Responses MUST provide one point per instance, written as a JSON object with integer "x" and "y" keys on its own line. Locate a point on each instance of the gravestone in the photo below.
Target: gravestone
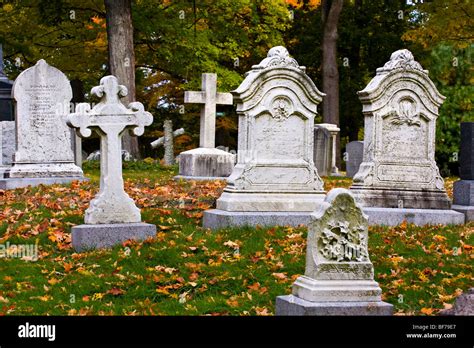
{"x": 355, "y": 153}
{"x": 7, "y": 146}
{"x": 464, "y": 305}
{"x": 398, "y": 178}
{"x": 339, "y": 277}
{"x": 6, "y": 100}
{"x": 206, "y": 162}
{"x": 43, "y": 149}
{"x": 112, "y": 216}
{"x": 463, "y": 190}
{"x": 168, "y": 141}
{"x": 274, "y": 181}
{"x": 322, "y": 150}
{"x": 325, "y": 136}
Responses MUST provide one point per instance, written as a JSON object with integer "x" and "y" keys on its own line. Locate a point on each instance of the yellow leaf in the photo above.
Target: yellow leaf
{"x": 427, "y": 311}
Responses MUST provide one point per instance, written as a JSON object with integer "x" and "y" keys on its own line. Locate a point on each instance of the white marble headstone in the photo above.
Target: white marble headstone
{"x": 400, "y": 105}
{"x": 42, "y": 94}
{"x": 276, "y": 103}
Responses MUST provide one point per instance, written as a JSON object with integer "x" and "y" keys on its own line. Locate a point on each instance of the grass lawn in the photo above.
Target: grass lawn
{"x": 186, "y": 270}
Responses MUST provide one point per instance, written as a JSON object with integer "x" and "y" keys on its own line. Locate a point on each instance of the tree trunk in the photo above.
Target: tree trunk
{"x": 331, "y": 10}
{"x": 122, "y": 56}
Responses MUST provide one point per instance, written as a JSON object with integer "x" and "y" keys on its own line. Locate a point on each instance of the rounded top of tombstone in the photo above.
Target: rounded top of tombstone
{"x": 401, "y": 59}
{"x": 278, "y": 56}
{"x": 404, "y": 71}
{"x": 278, "y": 51}
{"x": 42, "y": 76}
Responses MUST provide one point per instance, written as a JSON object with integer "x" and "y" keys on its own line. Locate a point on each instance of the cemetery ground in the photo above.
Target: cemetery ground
{"x": 187, "y": 270}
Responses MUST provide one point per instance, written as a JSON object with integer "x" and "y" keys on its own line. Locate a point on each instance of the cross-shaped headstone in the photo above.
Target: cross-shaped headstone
{"x": 210, "y": 98}
{"x": 110, "y": 118}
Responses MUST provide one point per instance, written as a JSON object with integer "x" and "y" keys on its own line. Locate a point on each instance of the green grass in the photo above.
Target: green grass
{"x": 186, "y": 270}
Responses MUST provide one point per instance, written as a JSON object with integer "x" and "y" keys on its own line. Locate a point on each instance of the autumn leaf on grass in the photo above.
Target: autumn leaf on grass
{"x": 233, "y": 302}
{"x": 427, "y": 311}
{"x": 67, "y": 267}
{"x": 231, "y": 244}
{"x": 164, "y": 228}
{"x": 53, "y": 281}
{"x": 438, "y": 238}
{"x": 262, "y": 311}
{"x": 115, "y": 292}
{"x": 280, "y": 276}
{"x": 97, "y": 296}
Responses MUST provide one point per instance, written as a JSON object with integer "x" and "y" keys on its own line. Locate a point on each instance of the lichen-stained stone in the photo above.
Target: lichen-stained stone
{"x": 338, "y": 268}
{"x": 276, "y": 104}
{"x": 400, "y": 105}
{"x": 42, "y": 94}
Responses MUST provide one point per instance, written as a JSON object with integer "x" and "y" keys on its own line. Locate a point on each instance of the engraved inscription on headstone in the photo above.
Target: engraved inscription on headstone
{"x": 44, "y": 146}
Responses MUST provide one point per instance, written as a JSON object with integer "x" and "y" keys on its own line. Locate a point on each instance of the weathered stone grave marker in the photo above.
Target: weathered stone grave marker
{"x": 112, "y": 216}
{"x": 275, "y": 181}
{"x": 206, "y": 162}
{"x": 398, "y": 178}
{"x": 339, "y": 277}
{"x": 43, "y": 150}
{"x": 354, "y": 153}
{"x": 463, "y": 190}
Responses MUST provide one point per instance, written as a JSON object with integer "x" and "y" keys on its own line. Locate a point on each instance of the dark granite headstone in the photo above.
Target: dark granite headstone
{"x": 355, "y": 153}
{"x": 6, "y": 101}
{"x": 463, "y": 190}
{"x": 466, "y": 158}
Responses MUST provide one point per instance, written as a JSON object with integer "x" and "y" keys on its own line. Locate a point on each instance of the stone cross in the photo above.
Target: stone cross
{"x": 110, "y": 119}
{"x": 210, "y": 98}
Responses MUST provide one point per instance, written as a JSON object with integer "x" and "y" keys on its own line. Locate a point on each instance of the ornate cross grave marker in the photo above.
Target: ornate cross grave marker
{"x": 339, "y": 277}
{"x": 398, "y": 178}
{"x": 206, "y": 162}
{"x": 112, "y": 216}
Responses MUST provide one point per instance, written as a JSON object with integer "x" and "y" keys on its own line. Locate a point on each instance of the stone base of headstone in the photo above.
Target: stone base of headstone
{"x": 419, "y": 217}
{"x": 45, "y": 170}
{"x": 216, "y": 219}
{"x": 295, "y": 306}
{"x": 205, "y": 163}
{"x": 467, "y": 210}
{"x": 89, "y": 237}
{"x": 198, "y": 178}
{"x": 412, "y": 199}
{"x": 234, "y": 201}
{"x": 463, "y": 193}
{"x": 14, "y": 183}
